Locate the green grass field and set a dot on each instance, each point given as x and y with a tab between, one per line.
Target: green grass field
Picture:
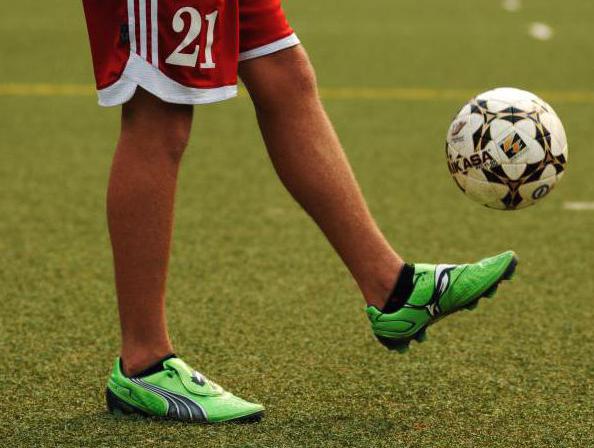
257	299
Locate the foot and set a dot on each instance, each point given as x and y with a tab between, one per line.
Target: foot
179	393
440	290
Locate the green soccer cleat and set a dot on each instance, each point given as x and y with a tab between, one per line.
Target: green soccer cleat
439	290
179	393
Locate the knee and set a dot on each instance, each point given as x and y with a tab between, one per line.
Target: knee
157	141
174	140
156	130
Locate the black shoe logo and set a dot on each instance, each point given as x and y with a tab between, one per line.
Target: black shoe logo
442	282
198	379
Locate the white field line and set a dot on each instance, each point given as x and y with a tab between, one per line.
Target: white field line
578	206
511	5
541	31
330	93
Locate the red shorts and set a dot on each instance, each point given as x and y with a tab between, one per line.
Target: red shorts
183	51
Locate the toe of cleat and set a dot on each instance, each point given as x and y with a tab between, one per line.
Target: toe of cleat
511	269
252	418
507	275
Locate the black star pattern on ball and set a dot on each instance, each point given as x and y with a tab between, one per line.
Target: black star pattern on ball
482	136
533	171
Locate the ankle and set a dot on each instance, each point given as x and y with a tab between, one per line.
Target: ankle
376	290
135	361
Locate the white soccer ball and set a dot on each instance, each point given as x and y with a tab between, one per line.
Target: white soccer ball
506	149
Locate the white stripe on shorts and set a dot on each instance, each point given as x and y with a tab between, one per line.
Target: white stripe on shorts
142	14
131	26
155	32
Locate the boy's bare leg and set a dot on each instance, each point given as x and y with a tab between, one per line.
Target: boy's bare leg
140	203
140	211
310	161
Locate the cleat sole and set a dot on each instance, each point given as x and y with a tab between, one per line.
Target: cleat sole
252	418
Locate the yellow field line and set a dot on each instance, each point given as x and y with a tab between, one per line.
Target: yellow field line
331	93
398	94
47	90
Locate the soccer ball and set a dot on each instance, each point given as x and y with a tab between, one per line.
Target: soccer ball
506	149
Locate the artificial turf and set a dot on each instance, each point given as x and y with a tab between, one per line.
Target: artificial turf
257	299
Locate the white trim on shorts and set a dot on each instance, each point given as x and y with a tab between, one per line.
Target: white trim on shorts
140	72
281	44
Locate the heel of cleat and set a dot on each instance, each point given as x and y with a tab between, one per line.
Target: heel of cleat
117	406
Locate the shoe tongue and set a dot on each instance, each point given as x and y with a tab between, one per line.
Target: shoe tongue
424	284
192	380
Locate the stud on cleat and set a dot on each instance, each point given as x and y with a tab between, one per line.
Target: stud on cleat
394	345
490	293
421	336
472	305
402	347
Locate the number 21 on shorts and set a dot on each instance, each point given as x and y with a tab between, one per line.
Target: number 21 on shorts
178	57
